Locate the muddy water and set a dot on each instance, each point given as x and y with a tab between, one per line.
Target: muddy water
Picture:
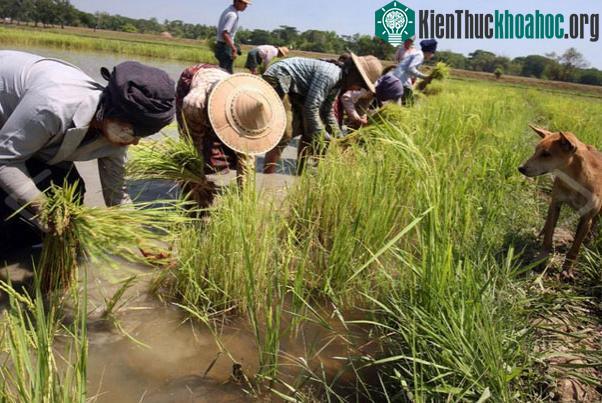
150	353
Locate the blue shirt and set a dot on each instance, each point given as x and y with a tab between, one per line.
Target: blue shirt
46	107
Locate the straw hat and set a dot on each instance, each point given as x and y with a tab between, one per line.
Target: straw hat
247	114
283	50
370	68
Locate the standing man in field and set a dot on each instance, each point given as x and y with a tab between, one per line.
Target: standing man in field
226	49
52	114
261	56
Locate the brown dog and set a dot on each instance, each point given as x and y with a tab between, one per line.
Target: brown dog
577	168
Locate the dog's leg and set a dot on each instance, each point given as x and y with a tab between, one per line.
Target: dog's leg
585	224
591	236
548	229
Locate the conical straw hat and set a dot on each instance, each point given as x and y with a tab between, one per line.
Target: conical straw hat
370	68
246	114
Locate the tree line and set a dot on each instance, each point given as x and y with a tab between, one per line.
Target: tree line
569	66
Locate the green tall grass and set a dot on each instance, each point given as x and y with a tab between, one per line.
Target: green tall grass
44	355
421	220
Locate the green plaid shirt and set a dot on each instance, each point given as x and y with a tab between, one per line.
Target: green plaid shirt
318	82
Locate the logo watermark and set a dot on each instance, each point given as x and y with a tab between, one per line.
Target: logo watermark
395	23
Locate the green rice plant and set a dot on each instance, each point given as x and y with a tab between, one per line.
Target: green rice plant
421	220
441	71
235	263
169	159
175	160
45	360
77	231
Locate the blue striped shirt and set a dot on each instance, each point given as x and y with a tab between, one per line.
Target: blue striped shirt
318	82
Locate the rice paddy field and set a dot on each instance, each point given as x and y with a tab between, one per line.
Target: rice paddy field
402	267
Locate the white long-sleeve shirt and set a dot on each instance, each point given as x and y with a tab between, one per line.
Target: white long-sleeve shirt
46	107
408	67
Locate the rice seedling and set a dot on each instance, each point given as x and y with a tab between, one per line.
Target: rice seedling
441	71
416	224
174	160
44	359
79	231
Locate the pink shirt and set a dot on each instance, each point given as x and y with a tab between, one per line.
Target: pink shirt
267	53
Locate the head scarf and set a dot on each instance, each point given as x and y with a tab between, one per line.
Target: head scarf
141	95
429	45
388	88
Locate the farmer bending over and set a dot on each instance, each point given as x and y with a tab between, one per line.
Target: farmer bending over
355	103
312	87
52	113
262	56
229	118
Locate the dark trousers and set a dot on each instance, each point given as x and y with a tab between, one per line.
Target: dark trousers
223	54
407	98
17	231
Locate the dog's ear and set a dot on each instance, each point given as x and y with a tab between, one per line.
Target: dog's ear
568	142
543	133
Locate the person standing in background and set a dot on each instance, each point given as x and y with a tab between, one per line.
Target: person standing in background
226	50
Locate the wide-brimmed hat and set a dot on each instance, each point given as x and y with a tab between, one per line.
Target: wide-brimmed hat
369	67
246	1
247	114
283	50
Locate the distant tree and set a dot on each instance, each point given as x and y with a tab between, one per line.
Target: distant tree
455	60
482	60
368	45
535	66
590	77
285	35
567	64
65	13
129	27
260	37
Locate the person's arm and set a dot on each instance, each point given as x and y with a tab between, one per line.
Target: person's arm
25	132
230	42
112	178
328	115
349	99
413	67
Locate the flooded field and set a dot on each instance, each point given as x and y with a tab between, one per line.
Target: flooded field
151	353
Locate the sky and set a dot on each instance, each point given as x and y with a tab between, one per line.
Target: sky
348	17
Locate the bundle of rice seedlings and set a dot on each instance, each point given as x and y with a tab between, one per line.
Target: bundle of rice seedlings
77	231
439	72
175	160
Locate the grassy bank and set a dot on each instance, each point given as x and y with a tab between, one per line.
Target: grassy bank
194	53
421	226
